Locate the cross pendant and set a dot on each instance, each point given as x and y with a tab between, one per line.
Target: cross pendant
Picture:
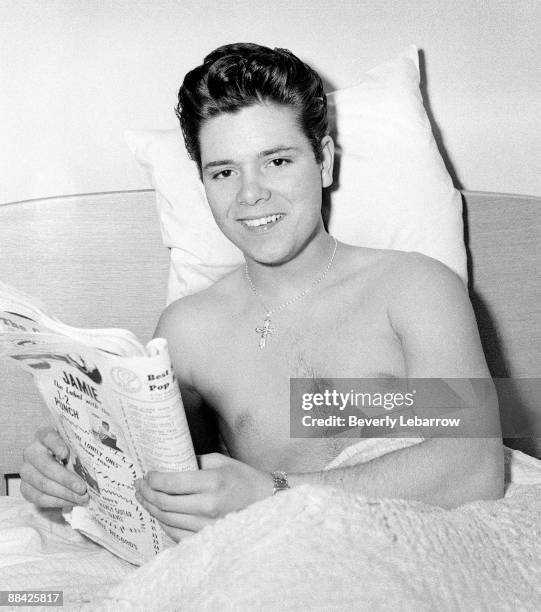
265	331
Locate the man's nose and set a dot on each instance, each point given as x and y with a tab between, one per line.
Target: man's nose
252	190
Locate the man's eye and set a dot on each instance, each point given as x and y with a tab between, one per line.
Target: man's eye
222	174
279	162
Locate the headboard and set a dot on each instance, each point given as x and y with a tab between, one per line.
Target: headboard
97	261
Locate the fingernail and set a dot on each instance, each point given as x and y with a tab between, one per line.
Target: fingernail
79	488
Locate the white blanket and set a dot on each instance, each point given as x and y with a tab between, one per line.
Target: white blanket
306	549
39	550
323	549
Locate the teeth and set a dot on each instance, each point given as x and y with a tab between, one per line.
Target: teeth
262	221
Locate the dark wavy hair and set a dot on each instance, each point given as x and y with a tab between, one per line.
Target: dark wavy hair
239	75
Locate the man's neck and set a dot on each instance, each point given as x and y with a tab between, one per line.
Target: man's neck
276	283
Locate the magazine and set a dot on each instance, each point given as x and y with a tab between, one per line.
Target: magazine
116	404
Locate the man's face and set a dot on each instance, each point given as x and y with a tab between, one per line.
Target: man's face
262	180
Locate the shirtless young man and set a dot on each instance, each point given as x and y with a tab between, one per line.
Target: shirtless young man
254	120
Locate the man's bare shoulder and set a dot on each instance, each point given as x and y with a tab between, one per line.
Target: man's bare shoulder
189	323
416	271
416	284
400	273
419	283
408	285
195	311
428	308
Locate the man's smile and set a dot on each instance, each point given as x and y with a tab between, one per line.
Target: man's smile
262	223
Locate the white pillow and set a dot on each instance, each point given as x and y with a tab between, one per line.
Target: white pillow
393	190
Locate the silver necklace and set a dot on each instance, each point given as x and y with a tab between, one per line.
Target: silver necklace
266	330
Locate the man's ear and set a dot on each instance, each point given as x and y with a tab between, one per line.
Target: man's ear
327	161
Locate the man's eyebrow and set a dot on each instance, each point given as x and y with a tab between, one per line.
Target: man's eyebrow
219	162
278	149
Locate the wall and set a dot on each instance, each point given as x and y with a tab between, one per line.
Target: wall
77	74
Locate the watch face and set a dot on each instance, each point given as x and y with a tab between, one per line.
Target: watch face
280	481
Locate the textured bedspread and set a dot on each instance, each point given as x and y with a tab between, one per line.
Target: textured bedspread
315	548
39	550
324	549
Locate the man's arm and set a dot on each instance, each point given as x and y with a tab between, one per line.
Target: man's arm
443	472
432	317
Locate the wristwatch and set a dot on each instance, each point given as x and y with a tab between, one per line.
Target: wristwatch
280	482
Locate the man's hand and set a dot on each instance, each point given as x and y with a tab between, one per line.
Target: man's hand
185	502
45	481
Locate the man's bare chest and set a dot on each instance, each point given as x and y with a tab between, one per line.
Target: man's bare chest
239	377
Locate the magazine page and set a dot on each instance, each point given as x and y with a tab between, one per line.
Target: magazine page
21	312
120	416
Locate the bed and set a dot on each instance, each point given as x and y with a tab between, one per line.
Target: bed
98	260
